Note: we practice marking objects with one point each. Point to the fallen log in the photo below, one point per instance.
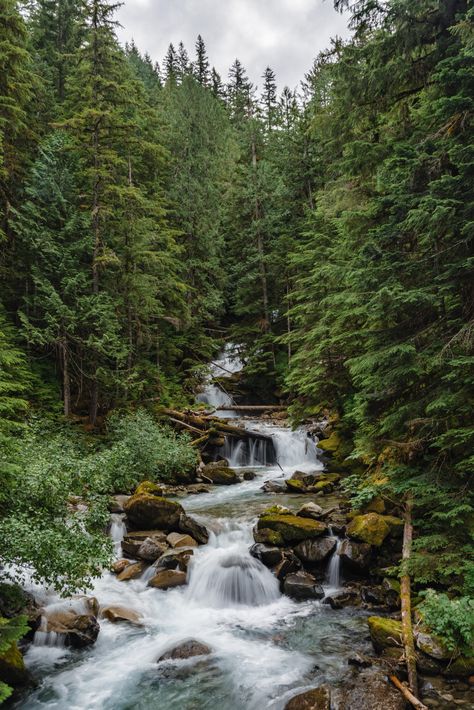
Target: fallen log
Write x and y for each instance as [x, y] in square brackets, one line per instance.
[186, 426]
[202, 440]
[238, 431]
[200, 425]
[252, 408]
[407, 694]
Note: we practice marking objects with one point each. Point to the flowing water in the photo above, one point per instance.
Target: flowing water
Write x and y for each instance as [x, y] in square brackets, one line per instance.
[265, 647]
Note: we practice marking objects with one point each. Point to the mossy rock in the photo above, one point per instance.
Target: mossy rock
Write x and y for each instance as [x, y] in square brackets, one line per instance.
[294, 485]
[151, 512]
[332, 444]
[291, 528]
[376, 505]
[432, 645]
[277, 510]
[460, 667]
[390, 584]
[323, 486]
[331, 477]
[370, 528]
[268, 537]
[148, 487]
[220, 475]
[384, 632]
[395, 524]
[12, 667]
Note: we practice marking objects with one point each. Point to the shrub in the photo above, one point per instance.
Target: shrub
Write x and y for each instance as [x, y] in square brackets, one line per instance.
[451, 619]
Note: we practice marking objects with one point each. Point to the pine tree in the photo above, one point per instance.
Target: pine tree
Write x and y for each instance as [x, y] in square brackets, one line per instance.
[201, 65]
[183, 60]
[218, 90]
[171, 65]
[269, 98]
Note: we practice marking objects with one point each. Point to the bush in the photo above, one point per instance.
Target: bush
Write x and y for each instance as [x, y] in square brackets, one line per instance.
[451, 619]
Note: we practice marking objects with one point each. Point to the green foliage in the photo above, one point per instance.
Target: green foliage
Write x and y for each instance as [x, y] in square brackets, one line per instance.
[11, 631]
[451, 619]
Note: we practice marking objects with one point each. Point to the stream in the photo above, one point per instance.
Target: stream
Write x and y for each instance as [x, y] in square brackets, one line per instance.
[265, 646]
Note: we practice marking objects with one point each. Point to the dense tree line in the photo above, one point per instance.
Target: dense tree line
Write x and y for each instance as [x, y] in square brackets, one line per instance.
[329, 230]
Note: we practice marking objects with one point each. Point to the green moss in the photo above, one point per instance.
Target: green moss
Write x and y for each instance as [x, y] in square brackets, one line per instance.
[396, 525]
[292, 528]
[323, 486]
[268, 537]
[384, 632]
[148, 487]
[371, 528]
[461, 667]
[277, 510]
[295, 486]
[332, 444]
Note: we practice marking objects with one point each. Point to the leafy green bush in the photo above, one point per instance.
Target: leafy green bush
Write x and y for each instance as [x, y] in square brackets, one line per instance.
[11, 631]
[451, 619]
[141, 450]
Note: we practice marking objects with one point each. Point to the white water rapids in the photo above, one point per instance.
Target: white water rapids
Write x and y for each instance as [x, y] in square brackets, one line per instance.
[265, 646]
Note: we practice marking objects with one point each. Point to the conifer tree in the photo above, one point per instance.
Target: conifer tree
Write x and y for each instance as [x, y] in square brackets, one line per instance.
[201, 65]
[171, 65]
[269, 98]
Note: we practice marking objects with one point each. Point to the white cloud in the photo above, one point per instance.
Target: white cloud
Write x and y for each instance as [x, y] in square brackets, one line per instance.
[285, 34]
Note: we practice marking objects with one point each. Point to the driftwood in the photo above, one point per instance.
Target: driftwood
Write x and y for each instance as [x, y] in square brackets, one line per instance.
[407, 694]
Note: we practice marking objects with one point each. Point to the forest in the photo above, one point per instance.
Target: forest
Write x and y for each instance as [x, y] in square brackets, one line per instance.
[152, 212]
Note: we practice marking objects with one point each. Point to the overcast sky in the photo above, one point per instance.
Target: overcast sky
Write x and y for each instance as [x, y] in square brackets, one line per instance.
[285, 34]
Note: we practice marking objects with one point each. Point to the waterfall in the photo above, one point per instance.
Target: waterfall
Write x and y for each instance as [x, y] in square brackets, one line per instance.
[226, 365]
[250, 452]
[118, 530]
[333, 575]
[226, 575]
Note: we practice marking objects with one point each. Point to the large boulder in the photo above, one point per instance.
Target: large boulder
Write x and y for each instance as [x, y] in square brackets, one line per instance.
[301, 586]
[220, 474]
[116, 614]
[150, 512]
[273, 487]
[432, 645]
[150, 549]
[269, 556]
[190, 526]
[384, 632]
[356, 556]
[315, 699]
[287, 565]
[12, 668]
[311, 551]
[77, 630]
[148, 487]
[291, 528]
[186, 649]
[167, 579]
[373, 528]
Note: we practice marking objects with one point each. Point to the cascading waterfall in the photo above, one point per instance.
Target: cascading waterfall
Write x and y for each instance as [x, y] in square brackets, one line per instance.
[225, 366]
[333, 574]
[226, 575]
[117, 530]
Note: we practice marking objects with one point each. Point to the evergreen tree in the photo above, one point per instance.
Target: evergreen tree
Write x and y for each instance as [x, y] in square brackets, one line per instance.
[218, 90]
[269, 98]
[183, 60]
[171, 65]
[201, 65]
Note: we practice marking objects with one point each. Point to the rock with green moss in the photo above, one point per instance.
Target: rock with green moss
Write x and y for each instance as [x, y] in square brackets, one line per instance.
[267, 537]
[461, 667]
[12, 668]
[371, 528]
[294, 485]
[149, 512]
[384, 632]
[432, 645]
[291, 528]
[332, 444]
[376, 505]
[277, 510]
[219, 474]
[323, 486]
[148, 487]
[395, 524]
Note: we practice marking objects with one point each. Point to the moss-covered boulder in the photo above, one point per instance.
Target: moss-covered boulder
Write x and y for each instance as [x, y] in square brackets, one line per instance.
[152, 489]
[332, 444]
[384, 632]
[371, 528]
[290, 528]
[220, 474]
[150, 512]
[277, 510]
[294, 485]
[12, 668]
[269, 537]
[432, 646]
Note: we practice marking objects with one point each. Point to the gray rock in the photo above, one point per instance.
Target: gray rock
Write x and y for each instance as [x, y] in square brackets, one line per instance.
[273, 487]
[316, 550]
[302, 585]
[177, 558]
[150, 549]
[356, 555]
[315, 699]
[270, 556]
[186, 649]
[189, 525]
[369, 690]
[310, 510]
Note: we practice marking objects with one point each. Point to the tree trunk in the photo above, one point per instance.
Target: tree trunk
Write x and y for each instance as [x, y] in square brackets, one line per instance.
[405, 594]
[66, 379]
[260, 246]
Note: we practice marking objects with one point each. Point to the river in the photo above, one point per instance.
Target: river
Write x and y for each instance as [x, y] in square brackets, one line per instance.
[265, 646]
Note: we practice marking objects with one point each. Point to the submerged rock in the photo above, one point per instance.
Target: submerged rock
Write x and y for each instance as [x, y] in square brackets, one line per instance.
[302, 585]
[186, 649]
[150, 512]
[315, 699]
[189, 525]
[291, 528]
[167, 578]
[120, 613]
[316, 550]
[369, 689]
